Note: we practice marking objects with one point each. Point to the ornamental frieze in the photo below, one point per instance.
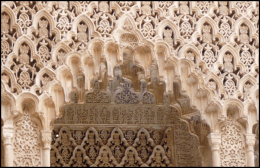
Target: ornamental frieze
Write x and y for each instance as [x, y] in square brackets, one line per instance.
[120, 114]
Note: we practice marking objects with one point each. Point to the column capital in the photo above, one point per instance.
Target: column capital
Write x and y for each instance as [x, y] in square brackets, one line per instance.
[46, 138]
[214, 140]
[7, 134]
[250, 140]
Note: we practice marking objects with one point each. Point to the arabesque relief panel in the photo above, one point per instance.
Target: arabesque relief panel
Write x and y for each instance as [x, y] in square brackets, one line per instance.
[114, 143]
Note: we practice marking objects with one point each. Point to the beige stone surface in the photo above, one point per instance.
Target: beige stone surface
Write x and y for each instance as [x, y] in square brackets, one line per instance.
[130, 83]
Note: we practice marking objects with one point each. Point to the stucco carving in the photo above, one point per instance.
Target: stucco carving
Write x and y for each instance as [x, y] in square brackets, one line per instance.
[232, 150]
[26, 143]
[117, 151]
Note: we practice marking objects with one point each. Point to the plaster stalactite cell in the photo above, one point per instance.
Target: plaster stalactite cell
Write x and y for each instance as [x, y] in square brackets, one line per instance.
[186, 28]
[43, 31]
[203, 6]
[24, 20]
[206, 34]
[184, 8]
[104, 20]
[122, 83]
[228, 66]
[223, 9]
[125, 5]
[225, 28]
[164, 5]
[4, 23]
[168, 36]
[22, 68]
[44, 51]
[244, 34]
[246, 58]
[190, 55]
[6, 48]
[212, 85]
[246, 90]
[230, 85]
[63, 17]
[229, 77]
[255, 18]
[145, 22]
[45, 80]
[61, 57]
[82, 32]
[84, 5]
[147, 29]
[243, 6]
[209, 56]
[146, 8]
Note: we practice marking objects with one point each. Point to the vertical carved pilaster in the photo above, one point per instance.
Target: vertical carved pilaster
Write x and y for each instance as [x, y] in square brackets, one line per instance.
[7, 134]
[214, 142]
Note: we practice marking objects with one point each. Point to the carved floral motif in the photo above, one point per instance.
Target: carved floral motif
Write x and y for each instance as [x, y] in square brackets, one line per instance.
[164, 5]
[232, 150]
[26, 144]
[203, 6]
[126, 96]
[97, 96]
[243, 5]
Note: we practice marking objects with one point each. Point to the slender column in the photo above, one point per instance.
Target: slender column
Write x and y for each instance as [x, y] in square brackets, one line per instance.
[8, 148]
[46, 140]
[214, 142]
[250, 142]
